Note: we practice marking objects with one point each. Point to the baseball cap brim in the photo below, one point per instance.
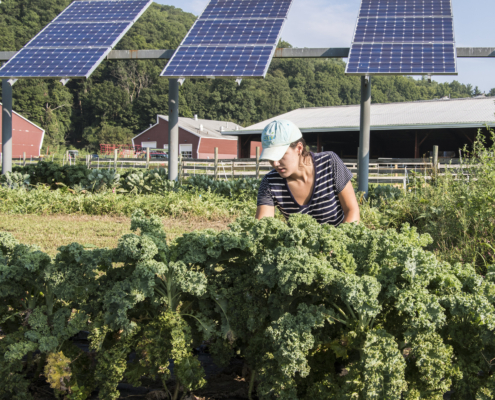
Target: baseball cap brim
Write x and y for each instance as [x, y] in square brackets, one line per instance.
[274, 153]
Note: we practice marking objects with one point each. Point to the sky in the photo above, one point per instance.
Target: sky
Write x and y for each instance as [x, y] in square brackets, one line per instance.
[331, 23]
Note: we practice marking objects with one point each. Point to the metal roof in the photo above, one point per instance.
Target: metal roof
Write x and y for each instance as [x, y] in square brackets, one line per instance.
[211, 129]
[427, 114]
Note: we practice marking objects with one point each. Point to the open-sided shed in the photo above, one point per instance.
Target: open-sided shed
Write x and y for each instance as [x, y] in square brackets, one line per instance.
[398, 130]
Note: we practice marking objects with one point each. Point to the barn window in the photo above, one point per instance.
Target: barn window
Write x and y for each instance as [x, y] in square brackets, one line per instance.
[151, 145]
[186, 150]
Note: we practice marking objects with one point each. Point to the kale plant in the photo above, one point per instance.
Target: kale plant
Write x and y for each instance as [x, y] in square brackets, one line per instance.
[320, 312]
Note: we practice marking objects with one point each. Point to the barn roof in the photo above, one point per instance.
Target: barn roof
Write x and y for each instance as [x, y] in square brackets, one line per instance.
[428, 114]
[211, 129]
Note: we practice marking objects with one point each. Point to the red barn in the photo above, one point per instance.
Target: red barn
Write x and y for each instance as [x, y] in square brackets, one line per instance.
[26, 136]
[197, 137]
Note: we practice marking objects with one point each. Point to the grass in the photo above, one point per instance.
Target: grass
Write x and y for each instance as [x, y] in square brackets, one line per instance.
[49, 232]
[193, 206]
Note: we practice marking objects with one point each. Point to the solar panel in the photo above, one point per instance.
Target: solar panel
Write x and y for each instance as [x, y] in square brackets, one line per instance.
[405, 37]
[232, 38]
[75, 42]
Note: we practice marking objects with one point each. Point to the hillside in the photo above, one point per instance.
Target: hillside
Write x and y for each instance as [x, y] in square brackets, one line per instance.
[123, 97]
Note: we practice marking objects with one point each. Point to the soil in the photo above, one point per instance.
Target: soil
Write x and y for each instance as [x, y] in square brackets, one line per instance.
[222, 383]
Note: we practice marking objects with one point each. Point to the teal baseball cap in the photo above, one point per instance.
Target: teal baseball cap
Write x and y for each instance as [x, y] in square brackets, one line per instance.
[277, 137]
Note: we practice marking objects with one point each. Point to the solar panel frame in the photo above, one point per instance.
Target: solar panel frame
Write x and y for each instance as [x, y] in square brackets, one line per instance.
[351, 68]
[103, 51]
[283, 19]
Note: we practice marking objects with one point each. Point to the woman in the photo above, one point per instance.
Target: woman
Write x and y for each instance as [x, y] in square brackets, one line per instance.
[317, 184]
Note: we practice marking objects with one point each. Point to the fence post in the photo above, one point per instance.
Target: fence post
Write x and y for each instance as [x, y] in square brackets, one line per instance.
[216, 163]
[233, 169]
[435, 159]
[258, 162]
[147, 157]
[115, 156]
[180, 169]
[24, 159]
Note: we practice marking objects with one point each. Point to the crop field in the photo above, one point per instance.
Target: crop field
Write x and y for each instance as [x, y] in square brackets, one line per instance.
[127, 286]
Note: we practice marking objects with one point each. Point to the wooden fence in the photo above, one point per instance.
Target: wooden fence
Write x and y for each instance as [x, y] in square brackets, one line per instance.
[396, 171]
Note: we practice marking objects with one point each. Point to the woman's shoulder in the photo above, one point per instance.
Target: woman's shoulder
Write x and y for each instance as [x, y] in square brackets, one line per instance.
[272, 175]
[324, 156]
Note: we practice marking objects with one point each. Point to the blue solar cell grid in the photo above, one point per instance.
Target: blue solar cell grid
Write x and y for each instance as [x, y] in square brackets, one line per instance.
[75, 42]
[233, 32]
[221, 9]
[404, 30]
[232, 38]
[406, 8]
[39, 63]
[102, 11]
[402, 59]
[97, 35]
[405, 37]
[221, 61]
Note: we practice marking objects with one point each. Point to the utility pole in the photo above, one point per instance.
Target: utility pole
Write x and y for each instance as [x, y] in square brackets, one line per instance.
[6, 126]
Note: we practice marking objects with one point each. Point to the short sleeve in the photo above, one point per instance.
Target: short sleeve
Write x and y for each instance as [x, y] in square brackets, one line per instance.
[265, 197]
[341, 173]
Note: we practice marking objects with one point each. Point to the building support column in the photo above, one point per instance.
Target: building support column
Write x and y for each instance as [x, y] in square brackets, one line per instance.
[416, 146]
[364, 135]
[173, 129]
[6, 126]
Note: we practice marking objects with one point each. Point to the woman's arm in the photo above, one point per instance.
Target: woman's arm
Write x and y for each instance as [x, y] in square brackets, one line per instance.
[349, 204]
[265, 211]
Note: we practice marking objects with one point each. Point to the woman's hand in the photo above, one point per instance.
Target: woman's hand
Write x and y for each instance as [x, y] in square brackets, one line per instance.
[349, 204]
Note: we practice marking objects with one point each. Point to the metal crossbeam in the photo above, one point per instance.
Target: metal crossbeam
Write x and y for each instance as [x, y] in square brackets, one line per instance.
[335, 52]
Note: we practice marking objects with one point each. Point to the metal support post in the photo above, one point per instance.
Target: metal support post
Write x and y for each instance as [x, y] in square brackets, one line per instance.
[115, 157]
[173, 129]
[364, 135]
[6, 126]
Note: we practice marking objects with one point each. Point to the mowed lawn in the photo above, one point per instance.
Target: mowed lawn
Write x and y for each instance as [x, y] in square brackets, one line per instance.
[52, 231]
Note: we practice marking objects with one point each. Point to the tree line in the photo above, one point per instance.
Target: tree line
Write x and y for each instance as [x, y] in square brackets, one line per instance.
[122, 98]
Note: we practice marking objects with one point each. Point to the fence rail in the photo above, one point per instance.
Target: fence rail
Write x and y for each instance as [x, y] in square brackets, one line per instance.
[389, 170]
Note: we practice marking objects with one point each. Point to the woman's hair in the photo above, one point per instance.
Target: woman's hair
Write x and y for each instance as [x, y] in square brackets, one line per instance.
[305, 151]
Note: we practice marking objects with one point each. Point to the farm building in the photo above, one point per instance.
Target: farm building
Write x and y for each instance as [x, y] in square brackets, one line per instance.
[197, 138]
[26, 136]
[398, 130]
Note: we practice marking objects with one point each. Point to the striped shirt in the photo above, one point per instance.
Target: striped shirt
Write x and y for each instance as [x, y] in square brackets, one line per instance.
[331, 177]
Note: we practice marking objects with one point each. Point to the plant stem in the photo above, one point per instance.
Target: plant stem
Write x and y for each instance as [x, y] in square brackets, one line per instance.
[176, 391]
[251, 384]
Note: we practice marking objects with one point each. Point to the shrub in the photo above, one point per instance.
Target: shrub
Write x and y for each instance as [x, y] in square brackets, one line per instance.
[15, 180]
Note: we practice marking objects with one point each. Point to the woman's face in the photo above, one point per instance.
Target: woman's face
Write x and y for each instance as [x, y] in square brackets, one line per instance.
[289, 163]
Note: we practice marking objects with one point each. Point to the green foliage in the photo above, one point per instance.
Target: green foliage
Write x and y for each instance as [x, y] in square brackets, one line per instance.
[15, 180]
[153, 181]
[51, 173]
[317, 312]
[300, 297]
[243, 188]
[456, 209]
[100, 180]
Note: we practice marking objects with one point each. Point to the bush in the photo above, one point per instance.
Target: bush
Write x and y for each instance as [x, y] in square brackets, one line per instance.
[317, 312]
[456, 209]
[15, 180]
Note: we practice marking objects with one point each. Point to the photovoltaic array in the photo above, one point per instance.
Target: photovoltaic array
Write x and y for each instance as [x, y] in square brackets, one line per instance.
[232, 38]
[404, 37]
[77, 41]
